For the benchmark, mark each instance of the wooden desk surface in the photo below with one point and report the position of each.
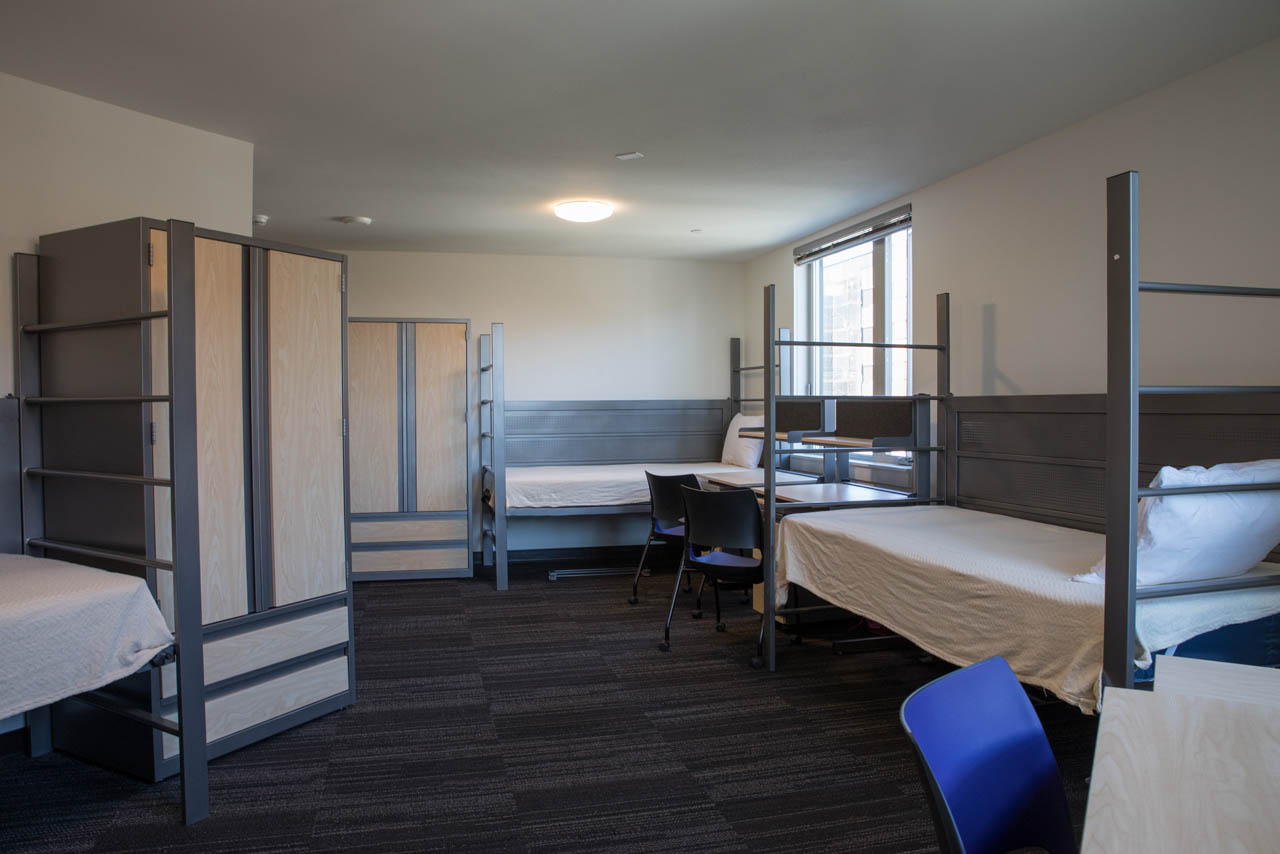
(1200, 678)
(826, 441)
(834, 492)
(1175, 772)
(756, 478)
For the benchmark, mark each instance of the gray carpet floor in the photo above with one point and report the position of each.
(544, 719)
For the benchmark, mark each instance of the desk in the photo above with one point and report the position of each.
(1201, 678)
(1179, 770)
(756, 478)
(825, 441)
(834, 492)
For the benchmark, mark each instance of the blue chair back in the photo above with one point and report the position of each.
(991, 778)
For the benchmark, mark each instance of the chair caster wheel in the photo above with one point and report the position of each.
(697, 615)
(633, 601)
(756, 662)
(664, 646)
(719, 627)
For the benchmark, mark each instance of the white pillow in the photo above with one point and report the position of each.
(739, 451)
(1217, 535)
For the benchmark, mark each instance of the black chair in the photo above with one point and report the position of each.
(728, 520)
(666, 516)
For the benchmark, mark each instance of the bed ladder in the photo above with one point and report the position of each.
(493, 463)
(188, 643)
(1123, 394)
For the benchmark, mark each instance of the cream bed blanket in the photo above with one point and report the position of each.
(66, 629)
(965, 586)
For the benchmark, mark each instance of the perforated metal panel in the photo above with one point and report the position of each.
(598, 432)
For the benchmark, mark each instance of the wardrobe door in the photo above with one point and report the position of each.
(220, 428)
(373, 385)
(441, 400)
(304, 355)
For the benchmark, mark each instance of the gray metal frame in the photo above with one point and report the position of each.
(923, 451)
(1123, 395)
(188, 629)
(493, 538)
(407, 427)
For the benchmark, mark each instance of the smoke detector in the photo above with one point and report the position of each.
(355, 220)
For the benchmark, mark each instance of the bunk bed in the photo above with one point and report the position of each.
(588, 458)
(88, 592)
(1029, 486)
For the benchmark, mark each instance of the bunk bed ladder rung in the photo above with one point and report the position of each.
(36, 400)
(109, 704)
(74, 325)
(112, 477)
(104, 554)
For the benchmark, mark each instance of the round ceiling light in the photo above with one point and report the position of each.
(584, 210)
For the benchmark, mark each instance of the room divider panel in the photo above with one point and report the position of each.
(410, 448)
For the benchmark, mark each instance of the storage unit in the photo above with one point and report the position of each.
(410, 448)
(270, 497)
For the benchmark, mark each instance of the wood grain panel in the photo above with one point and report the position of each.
(441, 368)
(1223, 680)
(232, 655)
(373, 398)
(159, 331)
(224, 582)
(409, 560)
(304, 304)
(408, 530)
(1174, 772)
(238, 710)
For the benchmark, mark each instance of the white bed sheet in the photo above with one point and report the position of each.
(594, 486)
(965, 586)
(66, 629)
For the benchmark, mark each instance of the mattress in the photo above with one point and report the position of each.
(965, 586)
(593, 486)
(66, 629)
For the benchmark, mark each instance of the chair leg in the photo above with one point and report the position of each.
(715, 589)
(635, 582)
(665, 646)
(697, 606)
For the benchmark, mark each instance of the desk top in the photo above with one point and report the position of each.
(834, 492)
(826, 441)
(756, 478)
(1177, 772)
(1200, 678)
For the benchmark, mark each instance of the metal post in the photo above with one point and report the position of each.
(770, 478)
(1122, 429)
(27, 313)
(497, 412)
(183, 449)
(735, 374)
(943, 381)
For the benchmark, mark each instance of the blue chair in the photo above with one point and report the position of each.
(720, 523)
(666, 516)
(991, 779)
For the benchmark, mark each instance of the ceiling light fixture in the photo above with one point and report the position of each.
(583, 210)
(355, 220)
(630, 155)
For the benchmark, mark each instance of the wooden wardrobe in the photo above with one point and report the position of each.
(270, 476)
(410, 448)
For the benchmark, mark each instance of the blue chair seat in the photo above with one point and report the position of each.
(726, 560)
(673, 531)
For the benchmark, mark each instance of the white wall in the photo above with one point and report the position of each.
(1019, 242)
(68, 161)
(576, 328)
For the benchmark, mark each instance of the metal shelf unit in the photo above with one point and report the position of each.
(1123, 394)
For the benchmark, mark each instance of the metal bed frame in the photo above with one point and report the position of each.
(921, 449)
(1123, 395)
(493, 461)
(188, 644)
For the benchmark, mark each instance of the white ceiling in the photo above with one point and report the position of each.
(455, 123)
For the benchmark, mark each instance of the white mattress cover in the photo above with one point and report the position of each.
(593, 486)
(965, 586)
(66, 629)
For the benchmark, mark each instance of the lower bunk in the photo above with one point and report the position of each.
(965, 585)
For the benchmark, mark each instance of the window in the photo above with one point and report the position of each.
(860, 292)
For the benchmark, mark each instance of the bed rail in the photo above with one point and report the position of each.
(1123, 397)
(188, 643)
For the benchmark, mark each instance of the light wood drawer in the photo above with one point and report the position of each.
(238, 710)
(408, 560)
(408, 530)
(249, 650)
